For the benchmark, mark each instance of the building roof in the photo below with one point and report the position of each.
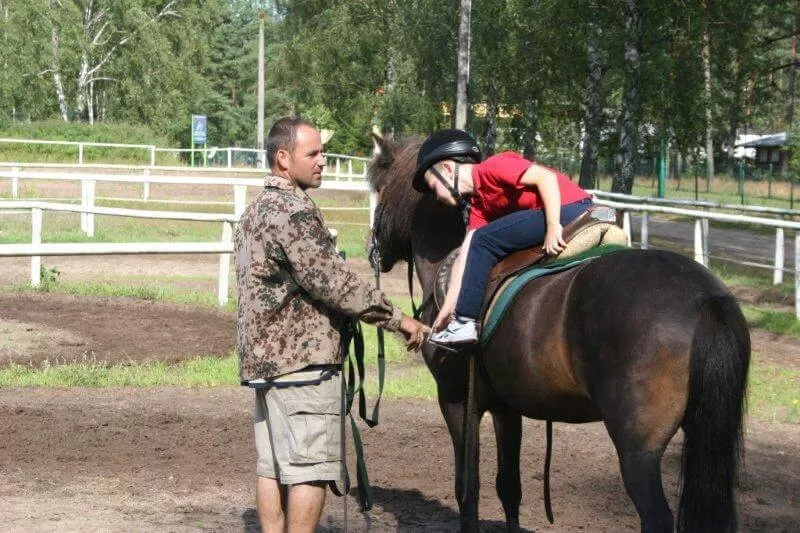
(766, 141)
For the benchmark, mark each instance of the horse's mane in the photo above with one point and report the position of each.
(436, 228)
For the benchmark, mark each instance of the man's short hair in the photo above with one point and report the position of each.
(283, 135)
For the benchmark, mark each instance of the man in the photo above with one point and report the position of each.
(295, 293)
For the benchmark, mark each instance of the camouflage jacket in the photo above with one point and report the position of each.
(294, 289)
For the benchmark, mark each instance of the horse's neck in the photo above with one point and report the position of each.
(426, 273)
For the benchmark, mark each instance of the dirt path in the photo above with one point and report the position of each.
(181, 460)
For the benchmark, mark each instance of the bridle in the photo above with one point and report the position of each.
(375, 262)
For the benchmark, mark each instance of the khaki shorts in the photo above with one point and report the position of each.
(298, 431)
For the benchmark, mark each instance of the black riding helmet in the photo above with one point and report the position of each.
(444, 144)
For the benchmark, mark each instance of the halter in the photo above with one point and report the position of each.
(375, 262)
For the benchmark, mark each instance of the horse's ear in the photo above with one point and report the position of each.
(383, 149)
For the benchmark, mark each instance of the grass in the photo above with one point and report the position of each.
(772, 321)
(167, 292)
(199, 372)
(774, 393)
(774, 193)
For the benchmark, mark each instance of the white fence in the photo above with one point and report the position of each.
(339, 165)
(240, 184)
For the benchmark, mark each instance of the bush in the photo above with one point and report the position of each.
(57, 130)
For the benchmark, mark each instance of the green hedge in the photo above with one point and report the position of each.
(104, 132)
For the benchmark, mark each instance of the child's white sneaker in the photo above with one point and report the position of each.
(458, 331)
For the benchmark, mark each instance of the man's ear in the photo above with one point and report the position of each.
(282, 159)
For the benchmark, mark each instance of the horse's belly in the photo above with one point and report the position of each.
(537, 388)
(561, 406)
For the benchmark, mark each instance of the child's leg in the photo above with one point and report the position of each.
(490, 244)
(494, 241)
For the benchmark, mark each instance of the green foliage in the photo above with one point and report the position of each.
(352, 64)
(104, 132)
(48, 277)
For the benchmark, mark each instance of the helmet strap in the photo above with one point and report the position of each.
(462, 203)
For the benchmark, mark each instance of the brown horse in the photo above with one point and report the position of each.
(647, 341)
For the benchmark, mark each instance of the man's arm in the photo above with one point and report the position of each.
(324, 274)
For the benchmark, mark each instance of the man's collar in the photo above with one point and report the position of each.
(278, 182)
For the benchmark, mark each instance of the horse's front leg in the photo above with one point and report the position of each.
(508, 434)
(464, 434)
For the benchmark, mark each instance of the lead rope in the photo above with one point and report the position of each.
(343, 430)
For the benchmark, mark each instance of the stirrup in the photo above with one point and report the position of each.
(452, 348)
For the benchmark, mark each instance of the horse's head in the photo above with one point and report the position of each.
(390, 177)
(407, 223)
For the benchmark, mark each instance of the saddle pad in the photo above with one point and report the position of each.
(511, 286)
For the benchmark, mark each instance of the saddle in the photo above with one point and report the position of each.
(596, 227)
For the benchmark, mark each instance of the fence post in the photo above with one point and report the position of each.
(777, 273)
(699, 256)
(338, 168)
(80, 153)
(645, 231)
(230, 157)
(36, 238)
(224, 265)
(626, 225)
(239, 199)
(14, 182)
(90, 204)
(84, 204)
(705, 241)
(146, 186)
(797, 275)
(152, 156)
(349, 170)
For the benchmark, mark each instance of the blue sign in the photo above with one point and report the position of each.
(199, 129)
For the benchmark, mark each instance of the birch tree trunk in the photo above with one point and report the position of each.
(629, 115)
(101, 43)
(792, 83)
(55, 63)
(592, 100)
(706, 53)
(463, 64)
(736, 105)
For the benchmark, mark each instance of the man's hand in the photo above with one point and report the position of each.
(415, 333)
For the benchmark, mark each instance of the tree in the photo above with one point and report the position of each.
(464, 37)
(593, 99)
(629, 115)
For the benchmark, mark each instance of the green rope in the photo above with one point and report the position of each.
(355, 363)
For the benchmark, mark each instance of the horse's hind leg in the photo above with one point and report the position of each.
(508, 434)
(641, 473)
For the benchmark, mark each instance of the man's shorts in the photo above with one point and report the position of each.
(298, 432)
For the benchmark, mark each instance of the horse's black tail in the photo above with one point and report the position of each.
(713, 423)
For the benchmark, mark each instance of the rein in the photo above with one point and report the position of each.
(352, 334)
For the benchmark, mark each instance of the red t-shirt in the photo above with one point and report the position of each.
(498, 191)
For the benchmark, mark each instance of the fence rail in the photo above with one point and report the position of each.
(342, 166)
(239, 184)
